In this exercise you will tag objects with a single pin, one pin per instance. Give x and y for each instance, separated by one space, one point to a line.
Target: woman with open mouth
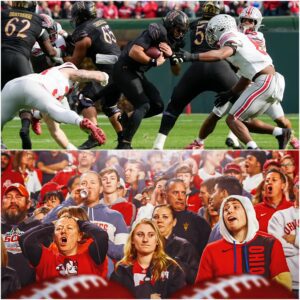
67 233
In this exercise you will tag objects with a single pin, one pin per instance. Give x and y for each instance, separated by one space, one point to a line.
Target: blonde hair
160 260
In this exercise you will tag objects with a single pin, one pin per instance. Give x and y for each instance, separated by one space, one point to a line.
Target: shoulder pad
157 32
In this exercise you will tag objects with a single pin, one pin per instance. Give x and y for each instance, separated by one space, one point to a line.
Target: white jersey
249 58
54 81
258 38
59 43
283 222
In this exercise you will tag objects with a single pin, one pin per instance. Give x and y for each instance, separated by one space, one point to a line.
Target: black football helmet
26 5
83 11
211 9
177 24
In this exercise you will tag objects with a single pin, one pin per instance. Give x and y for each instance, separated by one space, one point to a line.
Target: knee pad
25 114
83 102
110 111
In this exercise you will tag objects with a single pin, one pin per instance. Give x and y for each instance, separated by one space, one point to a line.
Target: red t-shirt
54 265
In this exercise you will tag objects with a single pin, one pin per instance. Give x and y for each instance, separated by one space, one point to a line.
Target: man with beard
14 222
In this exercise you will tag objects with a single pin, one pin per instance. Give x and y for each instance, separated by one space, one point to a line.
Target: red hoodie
264 211
263 255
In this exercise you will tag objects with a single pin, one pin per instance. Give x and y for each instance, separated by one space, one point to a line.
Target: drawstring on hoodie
245 251
234 257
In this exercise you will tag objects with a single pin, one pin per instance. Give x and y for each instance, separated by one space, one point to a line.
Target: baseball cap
19 187
232 167
50 187
271 162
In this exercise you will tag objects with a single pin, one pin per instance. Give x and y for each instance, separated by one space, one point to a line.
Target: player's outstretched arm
86 76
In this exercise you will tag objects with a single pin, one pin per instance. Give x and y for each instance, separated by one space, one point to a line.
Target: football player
93 36
20 29
41 62
255 67
129 71
200 77
44 92
249 22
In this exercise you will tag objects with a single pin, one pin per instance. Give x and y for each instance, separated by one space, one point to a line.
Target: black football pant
200 77
141 93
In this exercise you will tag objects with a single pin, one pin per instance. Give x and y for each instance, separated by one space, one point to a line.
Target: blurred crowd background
157 9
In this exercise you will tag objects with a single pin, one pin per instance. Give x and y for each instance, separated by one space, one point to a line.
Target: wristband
195 57
152 62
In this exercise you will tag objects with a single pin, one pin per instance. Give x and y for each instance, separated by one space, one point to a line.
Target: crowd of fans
157 9
180 191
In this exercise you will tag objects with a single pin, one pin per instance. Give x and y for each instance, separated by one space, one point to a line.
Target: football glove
187 56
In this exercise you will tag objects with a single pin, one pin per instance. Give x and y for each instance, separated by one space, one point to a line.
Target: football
76 287
153 52
235 287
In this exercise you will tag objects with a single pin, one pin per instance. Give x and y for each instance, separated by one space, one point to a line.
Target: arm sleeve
31 242
98 248
276 228
116 247
205 271
177 281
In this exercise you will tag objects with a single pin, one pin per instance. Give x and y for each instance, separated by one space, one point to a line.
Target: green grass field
184 132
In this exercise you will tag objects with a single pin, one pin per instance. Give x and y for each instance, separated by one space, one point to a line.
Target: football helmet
251 13
26 5
177 24
210 9
51 26
83 11
217 26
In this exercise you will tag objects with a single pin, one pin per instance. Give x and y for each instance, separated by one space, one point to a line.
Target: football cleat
194 145
36 126
96 132
89 144
294 142
123 145
230 143
284 138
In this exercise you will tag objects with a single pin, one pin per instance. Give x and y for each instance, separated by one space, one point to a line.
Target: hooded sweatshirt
259 253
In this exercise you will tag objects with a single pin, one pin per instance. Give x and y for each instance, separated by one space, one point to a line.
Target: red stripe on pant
253 96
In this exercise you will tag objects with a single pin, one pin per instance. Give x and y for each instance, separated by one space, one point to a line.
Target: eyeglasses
287 165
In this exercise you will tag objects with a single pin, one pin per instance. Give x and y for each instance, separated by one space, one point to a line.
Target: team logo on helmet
83 11
211 9
217 26
177 24
250 13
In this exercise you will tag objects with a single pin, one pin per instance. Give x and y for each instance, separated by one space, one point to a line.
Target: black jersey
198 40
20 30
103 39
151 37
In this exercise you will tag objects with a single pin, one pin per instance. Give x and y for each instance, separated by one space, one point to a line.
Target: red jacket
264 257
264 212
